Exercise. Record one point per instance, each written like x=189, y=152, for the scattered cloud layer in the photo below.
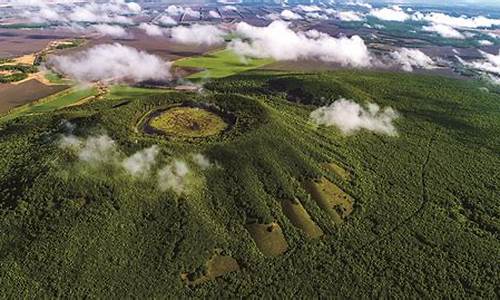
x=271, y=40
x=114, y=31
x=394, y=13
x=114, y=11
x=112, y=63
x=141, y=163
x=151, y=29
x=101, y=150
x=201, y=161
x=350, y=117
x=359, y=3
x=174, y=177
x=94, y=150
x=444, y=31
x=349, y=16
x=289, y=15
x=412, y=58
x=198, y=34
x=457, y=22
x=175, y=11
x=490, y=65
x=167, y=21
x=308, y=8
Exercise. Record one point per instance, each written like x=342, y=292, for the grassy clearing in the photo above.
x=268, y=238
x=331, y=199
x=188, y=122
x=299, y=217
x=217, y=266
x=55, y=78
x=125, y=91
x=220, y=64
x=337, y=170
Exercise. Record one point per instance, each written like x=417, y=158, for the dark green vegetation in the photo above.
x=15, y=73
x=70, y=44
x=425, y=221
x=25, y=26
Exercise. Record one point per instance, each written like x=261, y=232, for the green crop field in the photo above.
x=57, y=78
x=124, y=91
x=93, y=207
x=220, y=64
x=57, y=101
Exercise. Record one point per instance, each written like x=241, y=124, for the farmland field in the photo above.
x=26, y=92
x=220, y=64
x=412, y=215
x=54, y=102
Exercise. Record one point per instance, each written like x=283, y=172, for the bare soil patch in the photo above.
x=269, y=238
x=12, y=95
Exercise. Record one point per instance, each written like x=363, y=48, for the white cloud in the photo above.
x=151, y=29
x=115, y=31
x=485, y=43
x=198, y=34
x=69, y=141
x=214, y=14
x=410, y=58
x=134, y=7
x=174, y=177
x=457, y=22
x=290, y=15
x=350, y=117
x=308, y=8
x=394, y=13
x=490, y=63
x=114, y=11
x=98, y=149
x=493, y=35
x=140, y=163
x=444, y=31
x=107, y=12
x=316, y=15
x=349, y=16
x=174, y=10
x=229, y=8
x=271, y=40
x=359, y=3
x=93, y=150
x=112, y=63
x=167, y=21
x=201, y=161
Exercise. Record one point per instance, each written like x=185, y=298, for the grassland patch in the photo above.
x=300, y=218
x=269, y=238
x=220, y=64
x=188, y=120
x=217, y=266
x=337, y=170
x=333, y=200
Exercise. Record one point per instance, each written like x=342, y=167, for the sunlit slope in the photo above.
x=424, y=219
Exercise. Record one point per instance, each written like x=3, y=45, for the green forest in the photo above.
x=419, y=215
